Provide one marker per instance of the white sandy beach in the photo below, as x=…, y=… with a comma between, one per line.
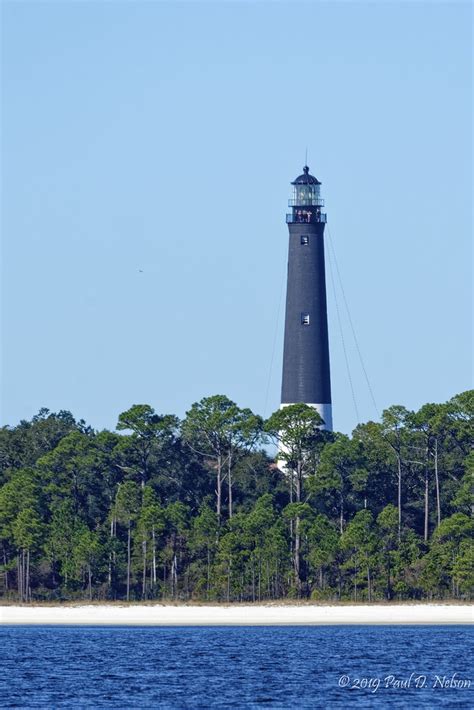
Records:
x=194, y=615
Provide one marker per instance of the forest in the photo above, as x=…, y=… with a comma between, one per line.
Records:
x=204, y=509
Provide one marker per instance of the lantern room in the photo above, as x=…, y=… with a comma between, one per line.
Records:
x=306, y=193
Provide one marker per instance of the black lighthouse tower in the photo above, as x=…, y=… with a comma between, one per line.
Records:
x=306, y=375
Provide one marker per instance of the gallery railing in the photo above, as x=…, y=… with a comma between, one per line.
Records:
x=307, y=218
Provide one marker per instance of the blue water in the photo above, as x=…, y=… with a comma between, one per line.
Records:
x=236, y=667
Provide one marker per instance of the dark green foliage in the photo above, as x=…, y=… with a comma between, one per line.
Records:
x=198, y=510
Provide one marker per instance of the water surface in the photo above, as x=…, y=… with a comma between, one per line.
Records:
x=236, y=667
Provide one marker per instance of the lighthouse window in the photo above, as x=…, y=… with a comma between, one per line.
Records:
x=305, y=239
x=305, y=319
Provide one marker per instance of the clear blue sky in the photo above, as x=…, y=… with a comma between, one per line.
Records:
x=162, y=137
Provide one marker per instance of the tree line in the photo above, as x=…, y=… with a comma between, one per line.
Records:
x=199, y=509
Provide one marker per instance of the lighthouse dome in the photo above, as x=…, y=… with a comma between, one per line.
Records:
x=305, y=192
x=306, y=178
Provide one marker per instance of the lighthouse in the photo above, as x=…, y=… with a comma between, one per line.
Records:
x=306, y=376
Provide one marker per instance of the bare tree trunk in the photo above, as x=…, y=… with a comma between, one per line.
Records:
x=369, y=590
x=292, y=536
x=6, y=570
x=144, y=568
x=296, y=561
x=110, y=574
x=219, y=487
x=389, y=577
x=19, y=578
x=399, y=463
x=174, y=576
x=259, y=579
x=438, y=504
x=229, y=482
x=154, y=556
x=22, y=577
x=129, y=540
x=427, y=492
x=89, y=570
x=208, y=584
x=298, y=483
x=27, y=576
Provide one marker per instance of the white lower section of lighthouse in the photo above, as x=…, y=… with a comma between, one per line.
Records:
x=324, y=411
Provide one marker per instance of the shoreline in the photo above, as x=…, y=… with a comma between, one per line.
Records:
x=262, y=614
